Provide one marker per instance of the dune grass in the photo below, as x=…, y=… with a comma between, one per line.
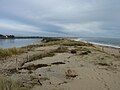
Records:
x=49, y=53
x=65, y=42
x=57, y=41
x=69, y=42
x=6, y=84
x=10, y=51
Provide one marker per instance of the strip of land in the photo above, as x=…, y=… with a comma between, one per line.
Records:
x=60, y=64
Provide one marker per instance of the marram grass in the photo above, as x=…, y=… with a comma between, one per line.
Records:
x=10, y=51
x=7, y=84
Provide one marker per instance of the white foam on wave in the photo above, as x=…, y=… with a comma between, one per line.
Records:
x=101, y=44
x=105, y=44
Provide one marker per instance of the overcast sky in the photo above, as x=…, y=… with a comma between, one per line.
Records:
x=95, y=18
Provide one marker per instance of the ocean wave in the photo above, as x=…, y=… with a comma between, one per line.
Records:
x=96, y=43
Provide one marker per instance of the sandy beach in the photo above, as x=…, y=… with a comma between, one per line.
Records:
x=63, y=64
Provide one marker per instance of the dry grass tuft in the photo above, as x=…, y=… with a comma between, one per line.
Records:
x=47, y=54
x=68, y=42
x=63, y=41
x=61, y=49
x=83, y=50
x=41, y=55
x=6, y=84
x=10, y=51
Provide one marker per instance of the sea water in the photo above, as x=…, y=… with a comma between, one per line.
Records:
x=9, y=43
x=113, y=42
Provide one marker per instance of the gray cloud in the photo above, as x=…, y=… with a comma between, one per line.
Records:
x=62, y=17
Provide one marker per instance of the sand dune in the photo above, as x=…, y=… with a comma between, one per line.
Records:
x=88, y=68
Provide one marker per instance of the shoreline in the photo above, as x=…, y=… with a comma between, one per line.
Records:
x=113, y=50
x=106, y=45
x=99, y=44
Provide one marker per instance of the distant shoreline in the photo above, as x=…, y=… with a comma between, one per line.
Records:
x=22, y=38
x=10, y=43
x=113, y=50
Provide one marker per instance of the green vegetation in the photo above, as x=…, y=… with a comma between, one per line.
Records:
x=11, y=51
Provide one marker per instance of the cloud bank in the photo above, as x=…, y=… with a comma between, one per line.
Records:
x=100, y=18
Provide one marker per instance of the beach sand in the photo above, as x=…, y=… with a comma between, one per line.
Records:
x=71, y=67
x=109, y=50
